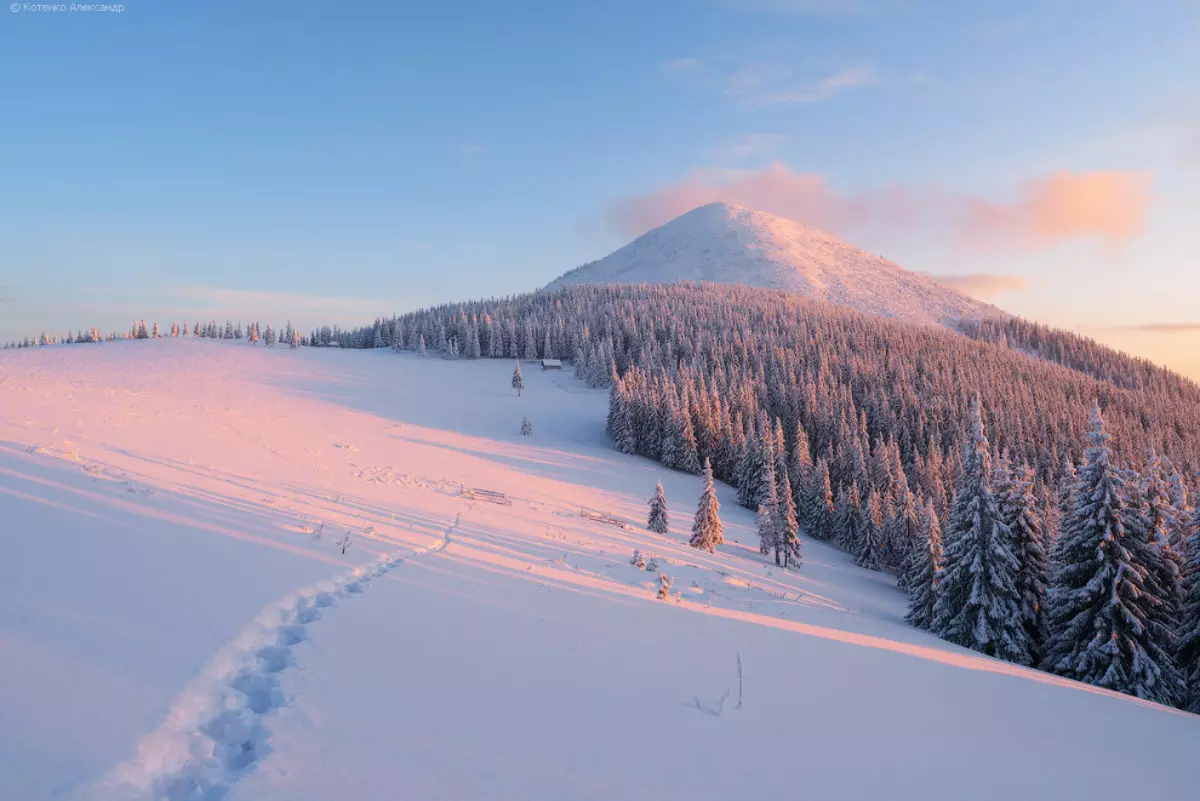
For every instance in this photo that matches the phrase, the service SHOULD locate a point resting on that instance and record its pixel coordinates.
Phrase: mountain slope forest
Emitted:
(854, 383)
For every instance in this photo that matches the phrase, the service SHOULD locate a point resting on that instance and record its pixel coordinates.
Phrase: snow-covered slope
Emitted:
(171, 627)
(729, 244)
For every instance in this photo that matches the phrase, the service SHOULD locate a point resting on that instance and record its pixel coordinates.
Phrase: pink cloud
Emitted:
(776, 190)
(1105, 205)
(985, 286)
(1110, 206)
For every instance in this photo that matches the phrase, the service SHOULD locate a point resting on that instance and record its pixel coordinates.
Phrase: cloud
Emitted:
(823, 7)
(777, 190)
(748, 146)
(680, 64)
(762, 86)
(470, 151)
(1164, 328)
(985, 286)
(1110, 206)
(1107, 205)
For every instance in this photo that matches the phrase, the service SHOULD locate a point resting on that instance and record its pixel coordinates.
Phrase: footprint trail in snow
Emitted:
(215, 732)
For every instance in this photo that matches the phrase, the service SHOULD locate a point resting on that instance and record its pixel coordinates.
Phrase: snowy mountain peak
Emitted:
(728, 244)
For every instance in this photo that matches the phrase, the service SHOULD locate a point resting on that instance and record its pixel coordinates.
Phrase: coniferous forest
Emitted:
(1029, 488)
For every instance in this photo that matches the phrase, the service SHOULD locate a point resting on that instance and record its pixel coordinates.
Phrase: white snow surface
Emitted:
(726, 244)
(171, 628)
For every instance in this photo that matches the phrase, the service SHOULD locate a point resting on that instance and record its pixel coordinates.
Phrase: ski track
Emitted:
(215, 732)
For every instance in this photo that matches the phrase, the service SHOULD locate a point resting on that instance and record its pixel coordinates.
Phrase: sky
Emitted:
(329, 163)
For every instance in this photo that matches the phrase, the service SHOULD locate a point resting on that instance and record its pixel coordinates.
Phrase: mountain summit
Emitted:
(727, 244)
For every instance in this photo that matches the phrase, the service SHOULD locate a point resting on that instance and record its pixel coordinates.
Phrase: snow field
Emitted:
(156, 496)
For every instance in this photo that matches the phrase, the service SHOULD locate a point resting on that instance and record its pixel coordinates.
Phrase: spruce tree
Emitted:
(978, 605)
(870, 533)
(848, 519)
(1019, 509)
(1189, 632)
(818, 503)
(924, 570)
(768, 510)
(787, 541)
(658, 511)
(1159, 518)
(707, 532)
(1101, 606)
(518, 383)
(526, 427)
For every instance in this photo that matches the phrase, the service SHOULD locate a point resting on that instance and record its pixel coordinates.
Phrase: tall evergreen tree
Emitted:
(767, 517)
(657, 521)
(1019, 508)
(978, 605)
(1189, 633)
(818, 503)
(787, 540)
(924, 570)
(868, 551)
(707, 532)
(1101, 606)
(848, 519)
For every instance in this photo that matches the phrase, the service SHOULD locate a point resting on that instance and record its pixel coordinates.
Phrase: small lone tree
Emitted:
(664, 586)
(658, 511)
(518, 383)
(526, 427)
(707, 532)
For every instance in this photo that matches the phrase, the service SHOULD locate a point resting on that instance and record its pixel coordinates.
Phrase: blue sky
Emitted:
(337, 161)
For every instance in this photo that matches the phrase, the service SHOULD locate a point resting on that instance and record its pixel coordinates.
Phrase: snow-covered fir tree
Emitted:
(707, 532)
(1102, 604)
(253, 337)
(518, 383)
(924, 570)
(1188, 650)
(818, 515)
(868, 550)
(1159, 520)
(978, 605)
(526, 427)
(657, 521)
(1020, 510)
(787, 527)
(767, 518)
(847, 519)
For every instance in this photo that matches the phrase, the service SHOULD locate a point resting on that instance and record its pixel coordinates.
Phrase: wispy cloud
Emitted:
(471, 150)
(747, 146)
(1109, 206)
(757, 82)
(985, 286)
(1164, 328)
(823, 7)
(762, 86)
(681, 64)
